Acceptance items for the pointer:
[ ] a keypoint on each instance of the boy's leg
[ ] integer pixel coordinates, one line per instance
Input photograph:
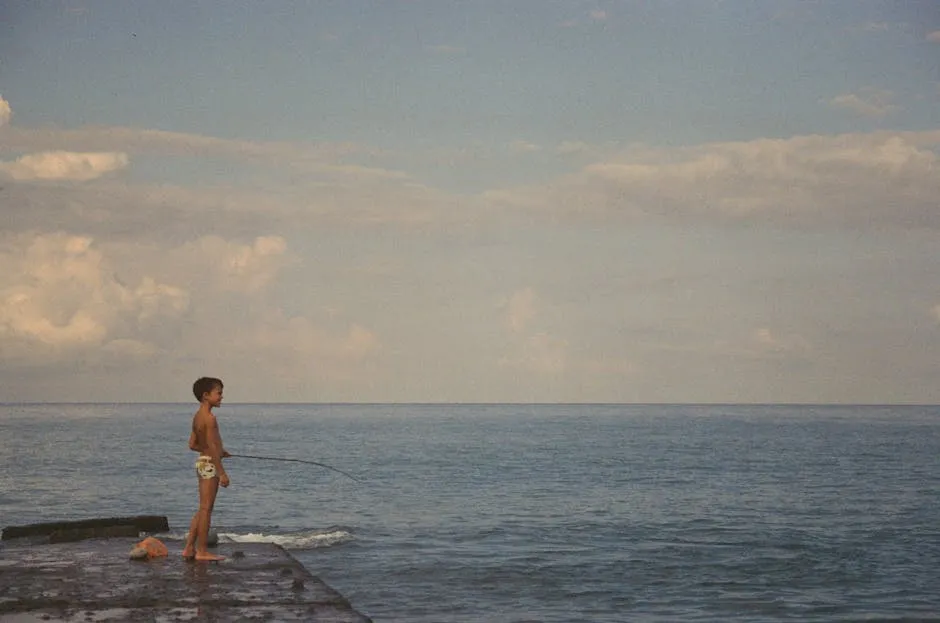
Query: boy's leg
(208, 488)
(194, 525)
(188, 551)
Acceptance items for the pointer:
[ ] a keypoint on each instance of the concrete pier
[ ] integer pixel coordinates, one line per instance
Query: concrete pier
(94, 580)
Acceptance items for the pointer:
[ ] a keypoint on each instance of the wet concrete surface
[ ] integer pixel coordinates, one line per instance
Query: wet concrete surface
(95, 580)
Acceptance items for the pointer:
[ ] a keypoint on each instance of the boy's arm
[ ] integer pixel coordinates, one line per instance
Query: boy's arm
(193, 440)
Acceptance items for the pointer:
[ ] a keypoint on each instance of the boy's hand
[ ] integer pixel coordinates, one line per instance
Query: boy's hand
(223, 480)
(225, 454)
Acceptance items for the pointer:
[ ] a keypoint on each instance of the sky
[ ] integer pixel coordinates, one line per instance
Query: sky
(488, 201)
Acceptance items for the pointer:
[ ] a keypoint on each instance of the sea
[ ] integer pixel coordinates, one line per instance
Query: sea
(525, 513)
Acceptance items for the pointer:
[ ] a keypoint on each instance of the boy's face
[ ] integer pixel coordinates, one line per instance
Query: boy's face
(214, 398)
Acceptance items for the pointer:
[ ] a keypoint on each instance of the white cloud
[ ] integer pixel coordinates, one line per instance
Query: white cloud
(853, 180)
(5, 112)
(867, 102)
(64, 165)
(934, 37)
(155, 300)
(60, 291)
(236, 267)
(65, 298)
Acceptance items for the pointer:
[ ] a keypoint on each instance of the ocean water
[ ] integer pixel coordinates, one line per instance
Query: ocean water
(532, 512)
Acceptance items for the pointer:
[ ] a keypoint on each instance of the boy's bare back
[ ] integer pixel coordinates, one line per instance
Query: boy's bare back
(205, 433)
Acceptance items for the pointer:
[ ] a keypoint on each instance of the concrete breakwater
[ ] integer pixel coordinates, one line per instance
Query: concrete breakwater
(93, 579)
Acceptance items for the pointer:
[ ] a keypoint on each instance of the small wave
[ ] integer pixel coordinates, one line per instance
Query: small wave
(170, 536)
(294, 540)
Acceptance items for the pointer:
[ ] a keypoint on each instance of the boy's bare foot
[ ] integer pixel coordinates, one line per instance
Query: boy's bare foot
(188, 552)
(207, 557)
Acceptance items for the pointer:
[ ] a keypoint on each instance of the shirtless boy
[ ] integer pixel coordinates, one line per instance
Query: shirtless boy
(206, 440)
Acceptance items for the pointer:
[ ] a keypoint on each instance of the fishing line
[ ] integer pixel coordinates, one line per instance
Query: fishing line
(272, 458)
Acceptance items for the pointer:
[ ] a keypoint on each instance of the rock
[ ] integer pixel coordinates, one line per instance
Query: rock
(70, 531)
(139, 553)
(212, 540)
(149, 548)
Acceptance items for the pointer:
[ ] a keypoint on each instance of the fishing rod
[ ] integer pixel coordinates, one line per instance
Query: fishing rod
(272, 458)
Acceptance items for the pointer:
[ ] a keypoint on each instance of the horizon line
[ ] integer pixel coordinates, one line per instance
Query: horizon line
(509, 403)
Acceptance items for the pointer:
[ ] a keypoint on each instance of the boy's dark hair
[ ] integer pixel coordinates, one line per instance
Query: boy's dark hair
(205, 384)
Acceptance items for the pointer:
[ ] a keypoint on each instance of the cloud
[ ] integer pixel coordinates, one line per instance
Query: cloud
(118, 209)
(64, 165)
(235, 267)
(59, 292)
(66, 298)
(64, 291)
(296, 349)
(295, 182)
(867, 103)
(523, 147)
(934, 37)
(159, 142)
(854, 180)
(56, 164)
(130, 349)
(5, 112)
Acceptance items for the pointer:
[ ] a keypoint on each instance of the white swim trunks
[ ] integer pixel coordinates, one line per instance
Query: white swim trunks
(205, 468)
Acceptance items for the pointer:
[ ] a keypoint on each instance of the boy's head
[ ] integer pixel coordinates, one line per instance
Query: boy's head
(204, 386)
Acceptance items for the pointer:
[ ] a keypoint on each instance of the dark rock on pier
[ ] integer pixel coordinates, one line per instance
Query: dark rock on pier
(65, 531)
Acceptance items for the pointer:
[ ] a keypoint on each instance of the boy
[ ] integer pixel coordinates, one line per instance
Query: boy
(206, 440)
